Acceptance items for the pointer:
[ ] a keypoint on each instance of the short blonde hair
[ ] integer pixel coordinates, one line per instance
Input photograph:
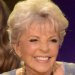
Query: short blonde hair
(27, 11)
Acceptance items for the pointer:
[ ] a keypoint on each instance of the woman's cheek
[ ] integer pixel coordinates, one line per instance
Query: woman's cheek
(30, 48)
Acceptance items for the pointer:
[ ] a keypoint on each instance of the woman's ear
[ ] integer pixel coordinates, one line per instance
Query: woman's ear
(17, 49)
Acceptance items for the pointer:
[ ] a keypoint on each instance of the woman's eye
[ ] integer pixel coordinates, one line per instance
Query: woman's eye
(33, 40)
(54, 40)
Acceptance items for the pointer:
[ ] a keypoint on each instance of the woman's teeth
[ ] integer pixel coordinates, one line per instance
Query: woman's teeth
(42, 58)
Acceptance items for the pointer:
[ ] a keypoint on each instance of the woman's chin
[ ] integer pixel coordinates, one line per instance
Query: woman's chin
(42, 69)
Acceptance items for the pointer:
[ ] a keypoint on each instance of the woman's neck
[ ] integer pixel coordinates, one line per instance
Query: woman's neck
(30, 71)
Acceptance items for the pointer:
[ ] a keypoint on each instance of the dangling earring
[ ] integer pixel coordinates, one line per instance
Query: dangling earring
(23, 71)
(22, 64)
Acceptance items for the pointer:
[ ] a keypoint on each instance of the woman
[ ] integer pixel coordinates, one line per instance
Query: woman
(36, 32)
(8, 61)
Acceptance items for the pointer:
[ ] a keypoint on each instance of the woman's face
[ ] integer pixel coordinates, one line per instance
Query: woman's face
(38, 47)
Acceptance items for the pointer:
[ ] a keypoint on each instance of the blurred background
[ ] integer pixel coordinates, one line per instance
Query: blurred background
(67, 51)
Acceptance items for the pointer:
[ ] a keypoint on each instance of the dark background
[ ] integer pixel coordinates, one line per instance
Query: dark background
(67, 51)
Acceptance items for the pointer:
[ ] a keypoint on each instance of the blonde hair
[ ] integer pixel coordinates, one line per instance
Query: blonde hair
(25, 11)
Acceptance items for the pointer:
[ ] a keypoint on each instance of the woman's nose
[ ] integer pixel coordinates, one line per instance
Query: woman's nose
(44, 47)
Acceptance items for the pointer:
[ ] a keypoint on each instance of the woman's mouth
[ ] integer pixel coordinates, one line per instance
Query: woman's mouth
(42, 58)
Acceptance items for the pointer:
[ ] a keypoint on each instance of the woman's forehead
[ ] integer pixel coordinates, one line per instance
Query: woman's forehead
(41, 28)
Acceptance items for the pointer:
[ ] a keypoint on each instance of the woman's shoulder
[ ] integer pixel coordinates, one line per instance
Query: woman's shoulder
(18, 71)
(12, 72)
(67, 65)
(69, 68)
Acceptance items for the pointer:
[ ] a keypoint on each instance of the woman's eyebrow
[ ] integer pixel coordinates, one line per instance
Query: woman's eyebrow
(36, 36)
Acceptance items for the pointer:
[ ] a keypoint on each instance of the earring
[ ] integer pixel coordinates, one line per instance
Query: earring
(23, 70)
(22, 63)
